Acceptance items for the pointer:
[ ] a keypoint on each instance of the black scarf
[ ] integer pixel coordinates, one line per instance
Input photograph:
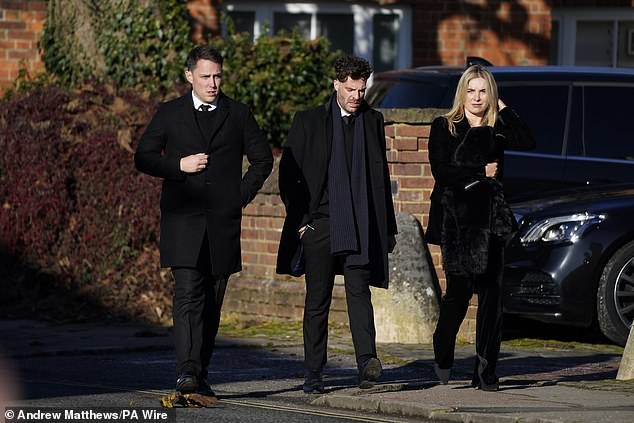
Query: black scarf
(348, 193)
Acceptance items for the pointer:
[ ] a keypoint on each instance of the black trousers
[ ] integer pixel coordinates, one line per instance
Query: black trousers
(196, 312)
(453, 309)
(321, 267)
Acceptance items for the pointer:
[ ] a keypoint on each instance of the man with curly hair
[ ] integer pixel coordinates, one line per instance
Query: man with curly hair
(335, 185)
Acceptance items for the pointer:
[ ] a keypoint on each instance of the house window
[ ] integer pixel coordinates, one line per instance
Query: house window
(379, 33)
(594, 37)
(385, 42)
(625, 57)
(554, 43)
(594, 43)
(292, 21)
(243, 21)
(337, 28)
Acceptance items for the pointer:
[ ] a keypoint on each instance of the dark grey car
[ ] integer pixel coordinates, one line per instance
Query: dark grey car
(572, 261)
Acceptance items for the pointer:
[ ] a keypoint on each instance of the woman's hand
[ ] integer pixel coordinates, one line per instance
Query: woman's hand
(491, 169)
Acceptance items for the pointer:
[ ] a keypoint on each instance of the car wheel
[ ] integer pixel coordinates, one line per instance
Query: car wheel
(615, 296)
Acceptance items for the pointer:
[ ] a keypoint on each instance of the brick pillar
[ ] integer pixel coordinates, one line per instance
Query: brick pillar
(21, 23)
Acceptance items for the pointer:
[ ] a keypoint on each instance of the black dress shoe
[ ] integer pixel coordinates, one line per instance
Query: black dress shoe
(488, 387)
(313, 383)
(442, 374)
(369, 373)
(205, 389)
(485, 382)
(186, 383)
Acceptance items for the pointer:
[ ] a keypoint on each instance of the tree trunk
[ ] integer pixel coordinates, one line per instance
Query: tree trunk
(71, 25)
(74, 25)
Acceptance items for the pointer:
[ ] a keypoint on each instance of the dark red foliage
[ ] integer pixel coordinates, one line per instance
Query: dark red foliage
(73, 204)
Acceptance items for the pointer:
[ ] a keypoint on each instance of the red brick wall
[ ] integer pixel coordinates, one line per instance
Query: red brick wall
(21, 25)
(503, 32)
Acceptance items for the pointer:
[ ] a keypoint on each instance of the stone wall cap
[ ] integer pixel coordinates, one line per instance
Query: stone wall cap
(412, 115)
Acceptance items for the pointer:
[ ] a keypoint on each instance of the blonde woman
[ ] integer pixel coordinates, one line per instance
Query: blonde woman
(469, 217)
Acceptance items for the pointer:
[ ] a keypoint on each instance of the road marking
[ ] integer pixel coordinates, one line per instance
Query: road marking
(296, 409)
(245, 403)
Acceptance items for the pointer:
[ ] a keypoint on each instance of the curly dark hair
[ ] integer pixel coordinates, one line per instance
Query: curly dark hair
(353, 67)
(202, 53)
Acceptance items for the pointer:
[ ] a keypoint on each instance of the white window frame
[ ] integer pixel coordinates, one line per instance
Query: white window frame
(363, 15)
(568, 29)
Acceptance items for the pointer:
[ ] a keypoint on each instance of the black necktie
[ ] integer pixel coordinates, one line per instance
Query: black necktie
(348, 119)
(204, 107)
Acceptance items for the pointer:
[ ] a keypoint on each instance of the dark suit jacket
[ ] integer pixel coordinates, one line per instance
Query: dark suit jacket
(303, 176)
(211, 200)
(512, 134)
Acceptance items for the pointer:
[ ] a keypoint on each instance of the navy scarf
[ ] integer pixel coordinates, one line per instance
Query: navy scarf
(348, 193)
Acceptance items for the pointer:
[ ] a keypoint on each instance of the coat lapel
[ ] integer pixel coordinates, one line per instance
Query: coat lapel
(327, 146)
(189, 119)
(371, 134)
(222, 114)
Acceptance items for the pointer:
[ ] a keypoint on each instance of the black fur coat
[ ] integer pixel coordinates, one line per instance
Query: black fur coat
(463, 216)
(467, 208)
(476, 211)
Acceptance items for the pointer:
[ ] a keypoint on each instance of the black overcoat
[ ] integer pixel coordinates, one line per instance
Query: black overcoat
(209, 201)
(303, 176)
(511, 134)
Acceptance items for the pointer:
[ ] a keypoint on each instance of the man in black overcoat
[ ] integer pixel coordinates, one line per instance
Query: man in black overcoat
(335, 185)
(196, 143)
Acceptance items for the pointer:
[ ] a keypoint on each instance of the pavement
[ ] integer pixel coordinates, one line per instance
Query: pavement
(542, 384)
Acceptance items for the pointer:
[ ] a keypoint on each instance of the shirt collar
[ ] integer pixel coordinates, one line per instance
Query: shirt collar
(198, 102)
(343, 112)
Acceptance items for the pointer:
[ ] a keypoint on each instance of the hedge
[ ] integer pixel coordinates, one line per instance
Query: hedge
(76, 215)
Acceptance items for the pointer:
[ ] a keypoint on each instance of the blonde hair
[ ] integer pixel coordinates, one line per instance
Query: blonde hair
(456, 114)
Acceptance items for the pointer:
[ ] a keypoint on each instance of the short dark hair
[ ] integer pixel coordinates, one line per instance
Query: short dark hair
(202, 53)
(353, 67)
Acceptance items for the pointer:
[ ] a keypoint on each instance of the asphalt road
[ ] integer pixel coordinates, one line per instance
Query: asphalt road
(258, 376)
(254, 385)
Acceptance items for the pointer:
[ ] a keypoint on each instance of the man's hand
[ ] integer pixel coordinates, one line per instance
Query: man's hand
(194, 163)
(303, 230)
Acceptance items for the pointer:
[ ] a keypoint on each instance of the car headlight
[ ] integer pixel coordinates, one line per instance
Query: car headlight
(559, 229)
